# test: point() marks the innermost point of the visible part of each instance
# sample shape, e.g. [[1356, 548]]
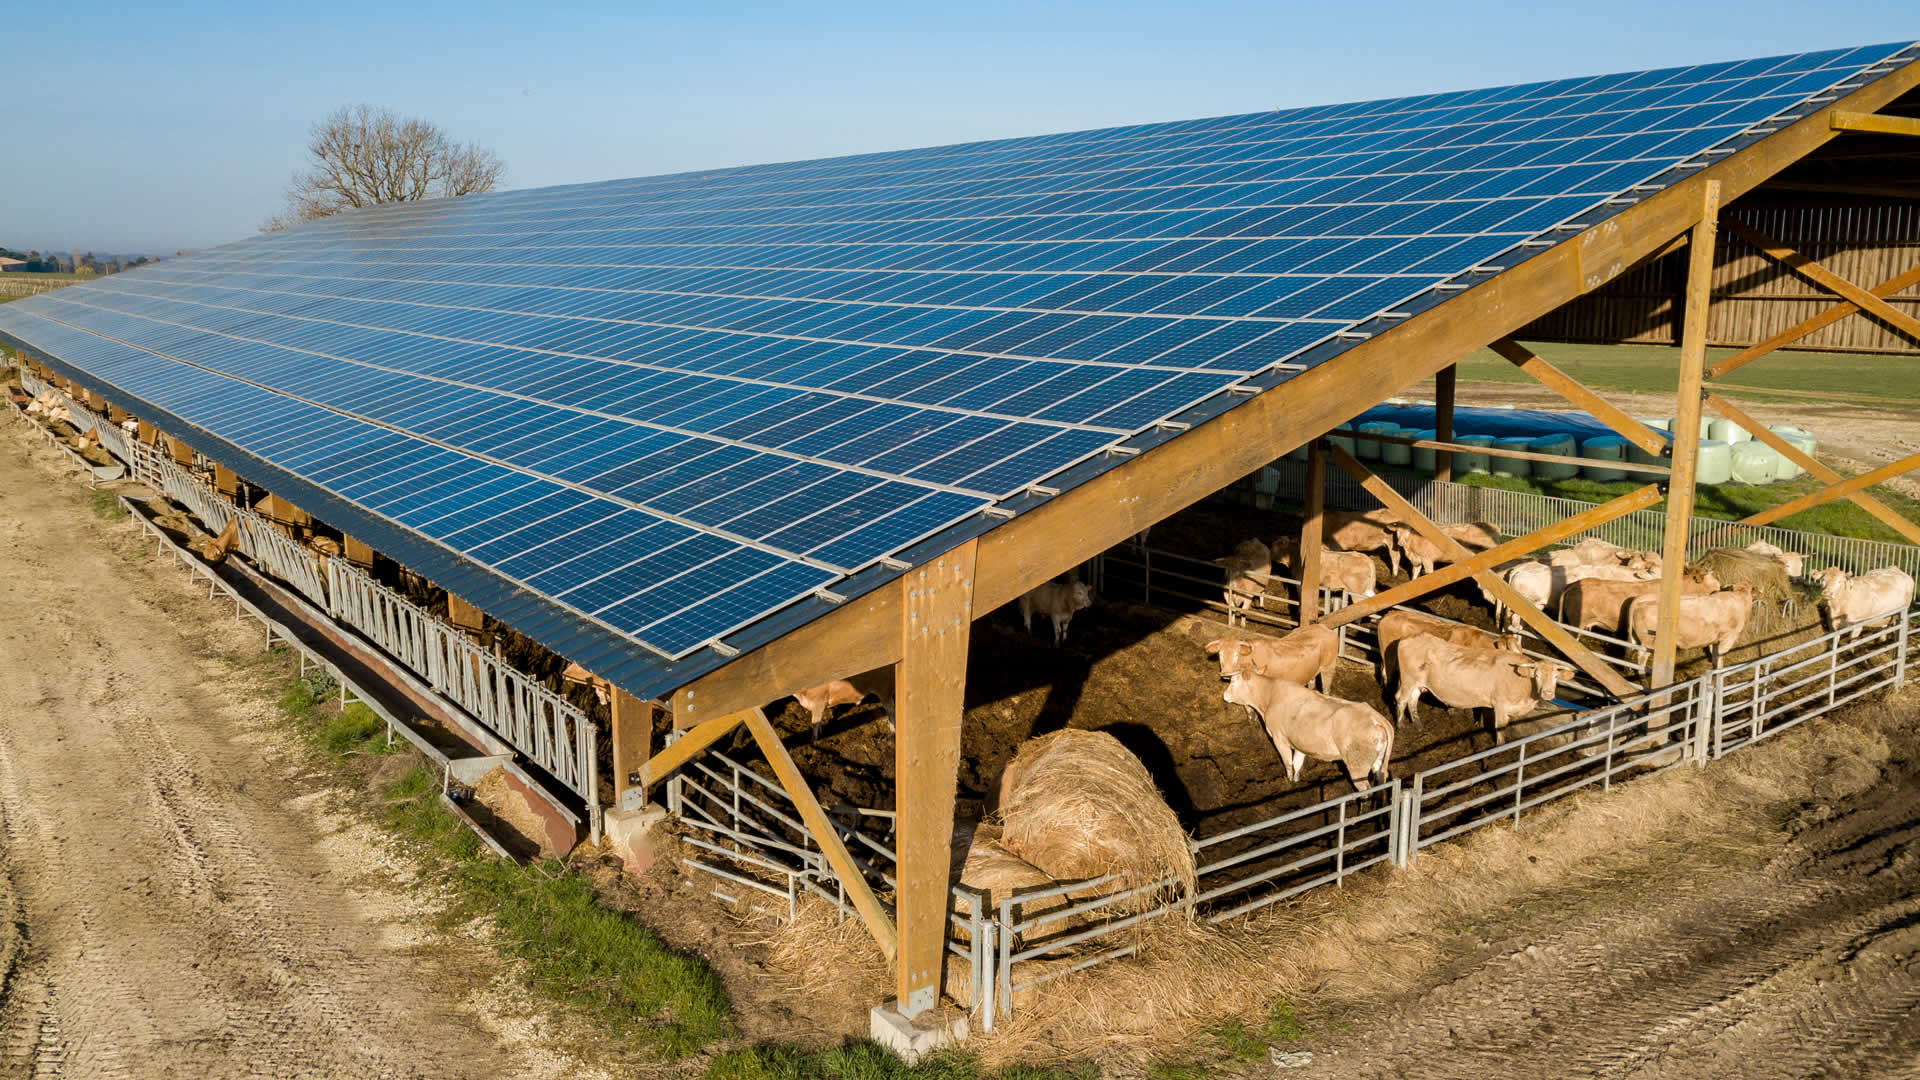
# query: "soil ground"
[[179, 894]]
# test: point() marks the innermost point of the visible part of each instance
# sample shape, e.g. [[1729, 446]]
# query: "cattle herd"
[[1287, 683]]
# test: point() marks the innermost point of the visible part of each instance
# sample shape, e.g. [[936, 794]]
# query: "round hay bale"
[[1772, 588], [994, 870], [1078, 805]]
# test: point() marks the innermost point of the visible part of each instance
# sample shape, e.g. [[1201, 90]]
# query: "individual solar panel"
[[751, 383]]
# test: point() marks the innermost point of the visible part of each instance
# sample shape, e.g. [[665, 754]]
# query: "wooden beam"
[[225, 482], [1443, 386], [824, 833], [1834, 491], [936, 622], [1827, 279], [1887, 515], [1844, 120], [1312, 532], [358, 553], [682, 750], [632, 744], [1532, 616], [1495, 451], [1093, 516], [1571, 389], [1807, 326], [1686, 437], [465, 616]]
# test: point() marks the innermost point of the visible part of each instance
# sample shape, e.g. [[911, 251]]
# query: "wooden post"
[[182, 454], [824, 833], [1443, 420], [225, 482], [935, 627], [358, 554], [1313, 531], [464, 615], [632, 745], [1686, 435]]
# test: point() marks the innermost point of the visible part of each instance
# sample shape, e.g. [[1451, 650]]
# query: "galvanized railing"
[[735, 814], [1766, 696]]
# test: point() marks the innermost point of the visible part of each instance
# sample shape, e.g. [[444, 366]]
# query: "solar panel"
[[673, 405]]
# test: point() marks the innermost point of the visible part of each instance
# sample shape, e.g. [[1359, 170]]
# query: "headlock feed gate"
[[720, 437]]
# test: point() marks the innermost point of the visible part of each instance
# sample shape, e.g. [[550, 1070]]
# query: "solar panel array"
[[676, 404]]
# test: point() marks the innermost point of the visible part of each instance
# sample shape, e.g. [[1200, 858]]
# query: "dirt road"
[[1809, 966], [176, 898]]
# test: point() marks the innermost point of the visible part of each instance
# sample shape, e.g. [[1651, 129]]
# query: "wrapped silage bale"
[[1466, 462], [1755, 463], [1800, 439], [1395, 453], [1728, 432], [1715, 463], [1560, 444], [1370, 449], [1604, 448], [1506, 466], [1423, 458]]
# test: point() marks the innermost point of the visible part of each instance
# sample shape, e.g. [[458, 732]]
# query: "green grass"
[[1783, 376], [106, 505], [1731, 502], [574, 949]]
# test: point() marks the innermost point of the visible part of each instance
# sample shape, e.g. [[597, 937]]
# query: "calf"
[[1349, 570], [1309, 653], [1795, 562], [1508, 685], [877, 684], [1714, 621], [1601, 604], [1304, 724], [1853, 600], [1247, 571], [1370, 531], [1057, 600]]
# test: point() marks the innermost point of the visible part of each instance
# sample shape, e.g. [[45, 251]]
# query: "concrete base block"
[[629, 834], [920, 1035]]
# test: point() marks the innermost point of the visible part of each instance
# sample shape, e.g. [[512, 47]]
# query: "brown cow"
[[1714, 621], [1362, 532], [1247, 571], [877, 683], [1349, 570], [1401, 623], [1309, 653], [1474, 536], [1304, 724], [1509, 686], [1601, 604]]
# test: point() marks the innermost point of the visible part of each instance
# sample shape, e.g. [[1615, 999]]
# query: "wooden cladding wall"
[[1755, 297]]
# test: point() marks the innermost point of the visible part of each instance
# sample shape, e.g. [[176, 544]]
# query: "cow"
[[1349, 570], [1715, 620], [1475, 535], [1302, 656], [1247, 571], [1601, 604], [1795, 562], [1856, 600], [1595, 552], [1508, 685], [1304, 724], [1401, 623], [1057, 600], [877, 684], [1543, 584], [1362, 532]]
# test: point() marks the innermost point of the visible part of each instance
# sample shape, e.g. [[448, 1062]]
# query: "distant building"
[[17, 265]]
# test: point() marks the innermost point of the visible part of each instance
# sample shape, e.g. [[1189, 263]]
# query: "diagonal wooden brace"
[[1532, 616], [1827, 279], [1834, 491], [1889, 516], [683, 749], [879, 923], [1570, 388], [1801, 329]]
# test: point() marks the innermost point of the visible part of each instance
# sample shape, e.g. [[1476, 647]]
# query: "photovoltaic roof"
[[639, 418]]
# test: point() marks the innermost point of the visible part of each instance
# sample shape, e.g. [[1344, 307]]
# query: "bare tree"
[[363, 156]]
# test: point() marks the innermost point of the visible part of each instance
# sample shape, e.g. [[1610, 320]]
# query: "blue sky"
[[152, 127]]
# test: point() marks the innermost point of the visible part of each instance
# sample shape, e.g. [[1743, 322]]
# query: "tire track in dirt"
[[1808, 967], [172, 900]]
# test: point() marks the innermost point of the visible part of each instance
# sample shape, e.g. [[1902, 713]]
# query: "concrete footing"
[[913, 1037], [629, 834]]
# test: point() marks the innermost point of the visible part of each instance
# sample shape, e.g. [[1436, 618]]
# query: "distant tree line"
[[74, 263]]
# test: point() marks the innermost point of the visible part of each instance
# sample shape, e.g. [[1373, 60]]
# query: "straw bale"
[[1078, 804]]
